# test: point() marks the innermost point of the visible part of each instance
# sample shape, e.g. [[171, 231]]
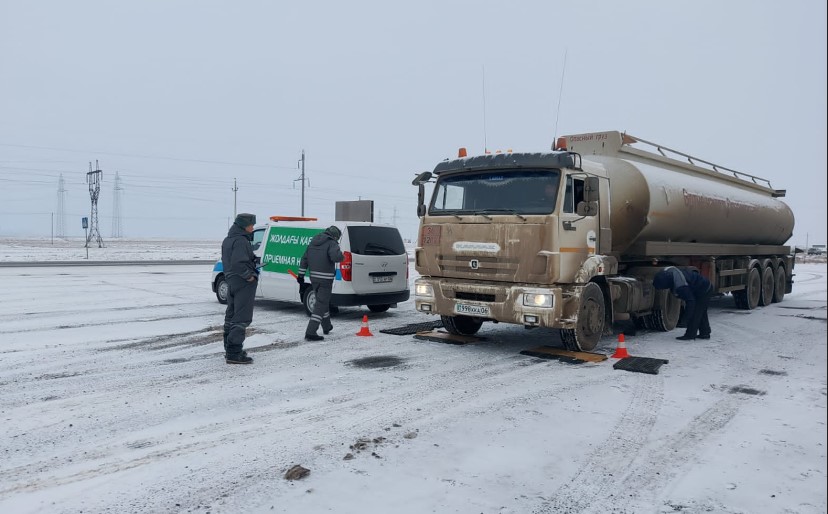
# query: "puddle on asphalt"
[[746, 390], [378, 361]]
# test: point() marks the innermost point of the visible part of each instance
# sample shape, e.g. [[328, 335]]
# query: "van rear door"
[[379, 261]]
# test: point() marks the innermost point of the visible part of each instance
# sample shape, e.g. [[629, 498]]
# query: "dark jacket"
[[319, 258], [685, 283], [237, 257]]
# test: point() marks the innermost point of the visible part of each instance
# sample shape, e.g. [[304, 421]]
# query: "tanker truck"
[[570, 239]]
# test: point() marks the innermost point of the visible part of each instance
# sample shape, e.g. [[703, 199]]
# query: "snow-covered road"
[[116, 398]]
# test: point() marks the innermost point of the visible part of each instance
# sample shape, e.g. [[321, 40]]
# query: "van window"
[[258, 235], [368, 240]]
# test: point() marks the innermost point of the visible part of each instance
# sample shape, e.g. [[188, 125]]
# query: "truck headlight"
[[537, 300], [423, 289]]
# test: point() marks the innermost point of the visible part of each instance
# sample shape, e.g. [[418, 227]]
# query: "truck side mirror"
[[591, 185], [421, 179], [586, 209]]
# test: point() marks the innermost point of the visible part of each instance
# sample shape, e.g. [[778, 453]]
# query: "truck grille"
[[477, 297]]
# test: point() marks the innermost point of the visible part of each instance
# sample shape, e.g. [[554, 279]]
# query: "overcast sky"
[[182, 97]]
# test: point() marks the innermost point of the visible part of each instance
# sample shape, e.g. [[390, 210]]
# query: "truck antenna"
[[560, 94], [485, 143]]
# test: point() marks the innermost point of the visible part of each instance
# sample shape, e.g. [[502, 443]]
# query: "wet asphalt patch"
[[773, 372], [746, 390], [377, 361]]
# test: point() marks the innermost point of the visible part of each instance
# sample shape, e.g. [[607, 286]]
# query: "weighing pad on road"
[[640, 364], [439, 336], [413, 328], [547, 352]]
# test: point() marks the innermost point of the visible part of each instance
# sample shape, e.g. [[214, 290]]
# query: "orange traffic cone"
[[621, 350], [364, 331]]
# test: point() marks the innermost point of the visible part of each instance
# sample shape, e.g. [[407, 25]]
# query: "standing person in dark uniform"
[[240, 271], [319, 260], [695, 290]]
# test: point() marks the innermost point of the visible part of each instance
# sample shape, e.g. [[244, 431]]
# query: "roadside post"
[[85, 223]]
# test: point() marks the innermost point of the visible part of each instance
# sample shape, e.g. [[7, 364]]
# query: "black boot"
[[313, 337], [685, 337], [241, 358]]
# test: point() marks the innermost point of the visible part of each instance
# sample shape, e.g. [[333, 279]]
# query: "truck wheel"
[[666, 311], [589, 326], [379, 308], [309, 300], [767, 286], [753, 289], [222, 289], [780, 283], [462, 325]]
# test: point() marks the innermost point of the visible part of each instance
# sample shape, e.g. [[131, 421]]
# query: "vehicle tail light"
[[406, 267], [345, 266]]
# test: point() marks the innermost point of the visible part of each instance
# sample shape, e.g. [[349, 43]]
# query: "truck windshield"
[[524, 191]]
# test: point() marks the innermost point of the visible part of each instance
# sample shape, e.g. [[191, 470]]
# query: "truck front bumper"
[[494, 301]]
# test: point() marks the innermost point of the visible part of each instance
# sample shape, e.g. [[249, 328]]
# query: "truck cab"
[[505, 238]]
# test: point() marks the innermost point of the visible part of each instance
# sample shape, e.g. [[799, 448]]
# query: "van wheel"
[[379, 308], [462, 325], [222, 289], [309, 300]]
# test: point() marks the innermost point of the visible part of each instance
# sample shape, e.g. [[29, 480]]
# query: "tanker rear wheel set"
[[760, 288]]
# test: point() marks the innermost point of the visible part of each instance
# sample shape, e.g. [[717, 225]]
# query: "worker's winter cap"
[[245, 219], [334, 232]]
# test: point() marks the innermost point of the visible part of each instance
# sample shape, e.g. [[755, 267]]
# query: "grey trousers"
[[239, 314], [321, 311]]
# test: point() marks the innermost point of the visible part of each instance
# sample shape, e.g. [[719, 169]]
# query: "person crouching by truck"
[[695, 290], [320, 260], [242, 275]]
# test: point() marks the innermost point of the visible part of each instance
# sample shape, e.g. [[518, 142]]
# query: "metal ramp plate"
[[547, 352], [413, 328], [440, 336], [640, 364]]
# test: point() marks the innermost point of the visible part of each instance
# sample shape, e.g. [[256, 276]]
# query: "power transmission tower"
[[93, 178], [116, 208], [60, 227], [301, 166]]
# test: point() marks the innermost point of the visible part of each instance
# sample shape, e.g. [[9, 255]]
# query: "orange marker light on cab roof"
[[461, 153], [560, 144]]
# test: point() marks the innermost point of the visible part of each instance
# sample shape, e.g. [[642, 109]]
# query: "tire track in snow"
[[603, 469]]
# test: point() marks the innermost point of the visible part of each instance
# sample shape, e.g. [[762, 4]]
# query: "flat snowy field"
[[116, 398]]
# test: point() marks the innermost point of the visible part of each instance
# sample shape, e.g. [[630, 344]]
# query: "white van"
[[374, 271]]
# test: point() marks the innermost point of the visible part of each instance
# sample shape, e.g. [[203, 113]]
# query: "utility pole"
[[93, 178], [53, 228], [394, 222], [235, 188], [60, 228], [301, 165], [116, 208]]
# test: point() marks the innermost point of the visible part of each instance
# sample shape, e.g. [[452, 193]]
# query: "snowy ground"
[[73, 249], [116, 398]]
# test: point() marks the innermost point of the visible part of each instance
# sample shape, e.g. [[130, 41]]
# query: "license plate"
[[382, 280], [472, 310]]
